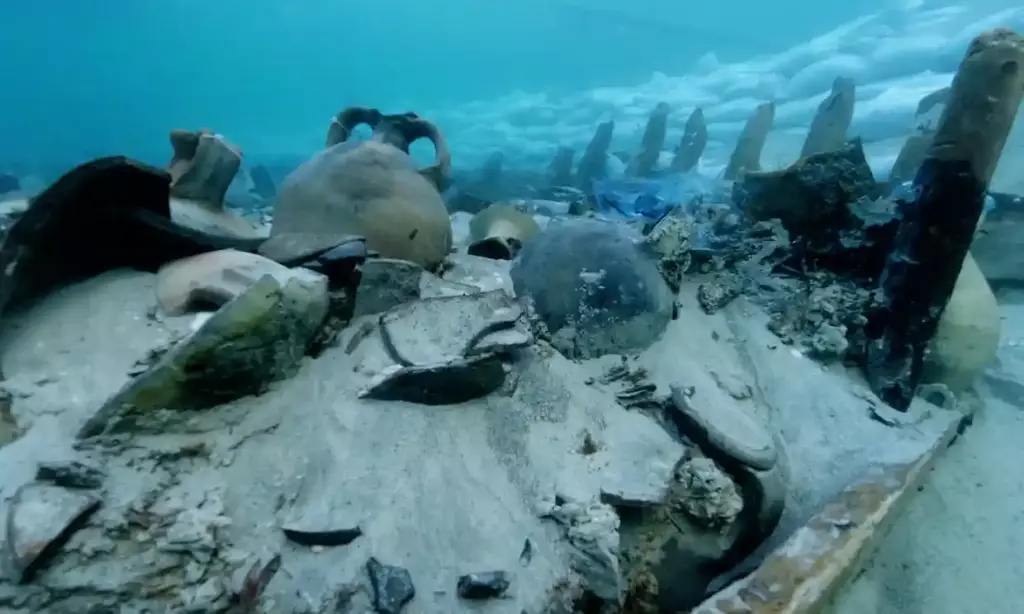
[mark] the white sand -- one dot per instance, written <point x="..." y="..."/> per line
<point x="958" y="546"/>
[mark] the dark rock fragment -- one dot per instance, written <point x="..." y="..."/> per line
<point x="392" y="586"/>
<point x="325" y="537"/>
<point x="71" y="474"/>
<point x="446" y="383"/>
<point x="484" y="585"/>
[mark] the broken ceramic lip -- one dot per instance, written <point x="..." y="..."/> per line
<point x="725" y="432"/>
<point x="339" y="262"/>
<point x="495" y="248"/>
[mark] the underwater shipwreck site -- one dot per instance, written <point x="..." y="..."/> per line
<point x="611" y="381"/>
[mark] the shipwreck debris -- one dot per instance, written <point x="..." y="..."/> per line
<point x="832" y="120"/>
<point x="939" y="224"/>
<point x="645" y="162"/>
<point x="747" y="154"/>
<point x="691" y="145"/>
<point x="594" y="162"/>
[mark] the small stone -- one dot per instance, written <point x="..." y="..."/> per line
<point x="829" y="342"/>
<point x="483" y="585"/>
<point x="392" y="586"/>
<point x="713" y="296"/>
<point x="40" y="519"/>
<point x="71" y="474"/>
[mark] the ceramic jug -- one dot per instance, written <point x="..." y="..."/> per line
<point x="373" y="189"/>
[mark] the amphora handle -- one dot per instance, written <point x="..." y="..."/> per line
<point x="400" y="131"/>
<point x="345" y="122"/>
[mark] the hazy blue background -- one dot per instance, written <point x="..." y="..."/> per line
<point x="81" y="78"/>
<point x="85" y="77"/>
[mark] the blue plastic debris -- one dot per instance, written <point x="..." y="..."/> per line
<point x="651" y="199"/>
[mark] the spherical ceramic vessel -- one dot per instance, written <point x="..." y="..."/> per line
<point x="593" y="287"/>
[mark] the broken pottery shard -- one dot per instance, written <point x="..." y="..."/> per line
<point x="387" y="283"/>
<point x="71" y="474"/>
<point x="203" y="166"/>
<point x="934" y="236"/>
<point x="811" y="568"/>
<point x="483" y="585"/>
<point x="294" y="248"/>
<point x="430" y="331"/>
<point x="593" y="533"/>
<point x="83" y="214"/>
<point x="691" y="146"/>
<point x="746" y="156"/>
<point x="254" y="340"/>
<point x="392" y="586"/>
<point x="592" y="288"/>
<point x="455" y="381"/>
<point x="200" y="178"/>
<point x="646" y="160"/>
<point x="592" y="164"/>
<point x="639" y="466"/>
<point x="448" y="349"/>
<point x="726" y="429"/>
<point x="812" y="196"/>
<point x="560" y="169"/>
<point x="40" y="520"/>
<point x="499" y="231"/>
<point x="832" y="120"/>
<point x="321" y="537"/>
<point x="209" y="280"/>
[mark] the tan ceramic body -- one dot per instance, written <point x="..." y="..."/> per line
<point x="968" y="335"/>
<point x="369" y="189"/>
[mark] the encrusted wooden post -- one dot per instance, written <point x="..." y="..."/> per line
<point x="925" y="120"/>
<point x="560" y="169"/>
<point x="492" y="169"/>
<point x="831" y="122"/>
<point x="747" y="155"/>
<point x="691" y="146"/>
<point x="939" y="224"/>
<point x="646" y="160"/>
<point x="595" y="157"/>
